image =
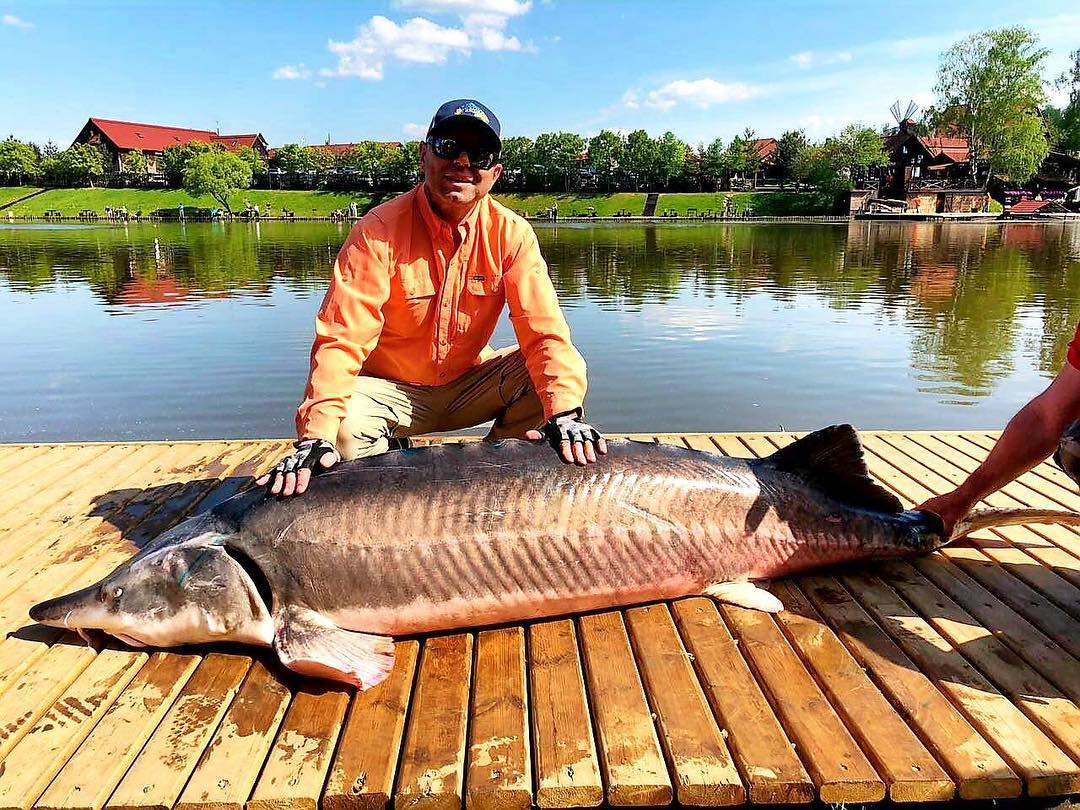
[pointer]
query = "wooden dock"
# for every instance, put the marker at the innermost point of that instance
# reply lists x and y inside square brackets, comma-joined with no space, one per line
[955,675]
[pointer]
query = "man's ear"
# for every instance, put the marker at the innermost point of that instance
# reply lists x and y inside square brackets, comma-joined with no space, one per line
[497,171]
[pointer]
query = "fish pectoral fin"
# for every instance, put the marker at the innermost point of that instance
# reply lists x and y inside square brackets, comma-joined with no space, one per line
[309,643]
[745,594]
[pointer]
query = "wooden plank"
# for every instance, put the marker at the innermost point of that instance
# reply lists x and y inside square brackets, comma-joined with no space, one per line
[704,773]
[225,775]
[92,773]
[630,756]
[362,776]
[500,762]
[31,695]
[296,769]
[760,746]
[433,757]
[158,775]
[1024,638]
[976,767]
[911,773]
[1047,478]
[567,772]
[39,756]
[1036,697]
[1045,769]
[21,502]
[839,768]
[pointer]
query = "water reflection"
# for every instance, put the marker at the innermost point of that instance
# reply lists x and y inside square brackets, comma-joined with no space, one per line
[684,327]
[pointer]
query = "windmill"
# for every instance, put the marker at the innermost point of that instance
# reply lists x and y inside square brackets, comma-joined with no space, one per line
[912,108]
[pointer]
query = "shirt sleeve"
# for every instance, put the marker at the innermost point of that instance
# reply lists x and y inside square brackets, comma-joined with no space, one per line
[347,328]
[1073,357]
[556,368]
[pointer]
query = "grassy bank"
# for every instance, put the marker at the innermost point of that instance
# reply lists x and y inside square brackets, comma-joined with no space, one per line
[70,201]
[9,193]
[606,205]
[764,204]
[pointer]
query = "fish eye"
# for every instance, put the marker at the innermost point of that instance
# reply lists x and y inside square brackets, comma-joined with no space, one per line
[117,592]
[110,594]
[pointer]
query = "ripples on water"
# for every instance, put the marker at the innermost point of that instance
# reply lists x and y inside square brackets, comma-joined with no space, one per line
[163,331]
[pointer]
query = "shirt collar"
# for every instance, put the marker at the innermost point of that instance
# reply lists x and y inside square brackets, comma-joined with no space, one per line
[435,225]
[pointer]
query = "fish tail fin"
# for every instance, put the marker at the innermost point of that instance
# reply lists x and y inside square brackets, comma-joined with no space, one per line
[993,518]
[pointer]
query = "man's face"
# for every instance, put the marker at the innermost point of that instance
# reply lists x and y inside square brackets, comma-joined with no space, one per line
[454,182]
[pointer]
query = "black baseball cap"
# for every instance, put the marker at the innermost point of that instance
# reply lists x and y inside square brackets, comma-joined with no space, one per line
[467,109]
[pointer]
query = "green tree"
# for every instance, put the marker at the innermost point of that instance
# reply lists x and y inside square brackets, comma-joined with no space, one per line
[174,160]
[252,159]
[858,150]
[753,160]
[559,154]
[1068,124]
[790,150]
[990,88]
[606,155]
[518,159]
[319,159]
[410,162]
[75,166]
[640,157]
[18,160]
[289,158]
[714,162]
[670,157]
[136,167]
[217,173]
[734,158]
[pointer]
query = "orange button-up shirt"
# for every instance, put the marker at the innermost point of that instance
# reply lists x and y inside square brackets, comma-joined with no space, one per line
[405,305]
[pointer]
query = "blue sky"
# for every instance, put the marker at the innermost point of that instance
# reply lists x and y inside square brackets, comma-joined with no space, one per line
[298,71]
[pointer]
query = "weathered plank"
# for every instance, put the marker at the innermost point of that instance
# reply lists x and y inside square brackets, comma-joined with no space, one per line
[500,761]
[839,768]
[161,770]
[225,775]
[911,773]
[760,746]
[95,769]
[567,772]
[630,755]
[701,764]
[293,776]
[39,756]
[432,771]
[362,776]
[1045,769]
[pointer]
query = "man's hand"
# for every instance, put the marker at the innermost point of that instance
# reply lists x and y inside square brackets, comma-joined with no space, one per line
[292,474]
[576,441]
[950,507]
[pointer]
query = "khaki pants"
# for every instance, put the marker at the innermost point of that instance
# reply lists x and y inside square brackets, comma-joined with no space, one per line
[499,389]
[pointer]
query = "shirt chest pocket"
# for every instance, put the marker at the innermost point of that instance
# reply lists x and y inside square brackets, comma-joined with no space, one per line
[416,281]
[483,284]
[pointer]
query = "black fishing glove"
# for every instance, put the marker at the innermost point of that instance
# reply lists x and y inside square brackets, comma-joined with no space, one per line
[308,456]
[573,438]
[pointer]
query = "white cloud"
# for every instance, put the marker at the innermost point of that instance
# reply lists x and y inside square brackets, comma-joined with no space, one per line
[289,72]
[16,22]
[414,130]
[702,93]
[631,99]
[808,59]
[420,40]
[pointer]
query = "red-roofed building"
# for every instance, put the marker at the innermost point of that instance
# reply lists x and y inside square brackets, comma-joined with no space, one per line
[1036,208]
[124,137]
[920,162]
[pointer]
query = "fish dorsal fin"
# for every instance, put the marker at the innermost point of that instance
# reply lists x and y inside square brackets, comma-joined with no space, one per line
[832,460]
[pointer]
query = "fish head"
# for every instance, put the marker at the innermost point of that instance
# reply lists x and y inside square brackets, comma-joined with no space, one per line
[190,593]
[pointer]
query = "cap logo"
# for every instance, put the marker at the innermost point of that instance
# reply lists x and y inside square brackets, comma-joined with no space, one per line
[473,109]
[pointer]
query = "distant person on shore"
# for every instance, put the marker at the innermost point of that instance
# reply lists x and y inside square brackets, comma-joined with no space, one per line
[180,206]
[1031,435]
[401,341]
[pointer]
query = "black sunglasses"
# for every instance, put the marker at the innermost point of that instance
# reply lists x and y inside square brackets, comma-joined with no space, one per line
[482,157]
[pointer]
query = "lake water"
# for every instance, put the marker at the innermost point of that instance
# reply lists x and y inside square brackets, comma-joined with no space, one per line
[158,331]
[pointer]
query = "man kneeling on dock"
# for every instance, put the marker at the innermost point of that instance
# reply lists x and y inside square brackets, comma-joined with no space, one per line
[401,341]
[1030,437]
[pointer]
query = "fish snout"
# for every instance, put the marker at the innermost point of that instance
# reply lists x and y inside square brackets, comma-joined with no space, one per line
[66,610]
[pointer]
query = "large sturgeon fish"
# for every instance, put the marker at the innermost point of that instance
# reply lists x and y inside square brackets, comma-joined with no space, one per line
[455,536]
